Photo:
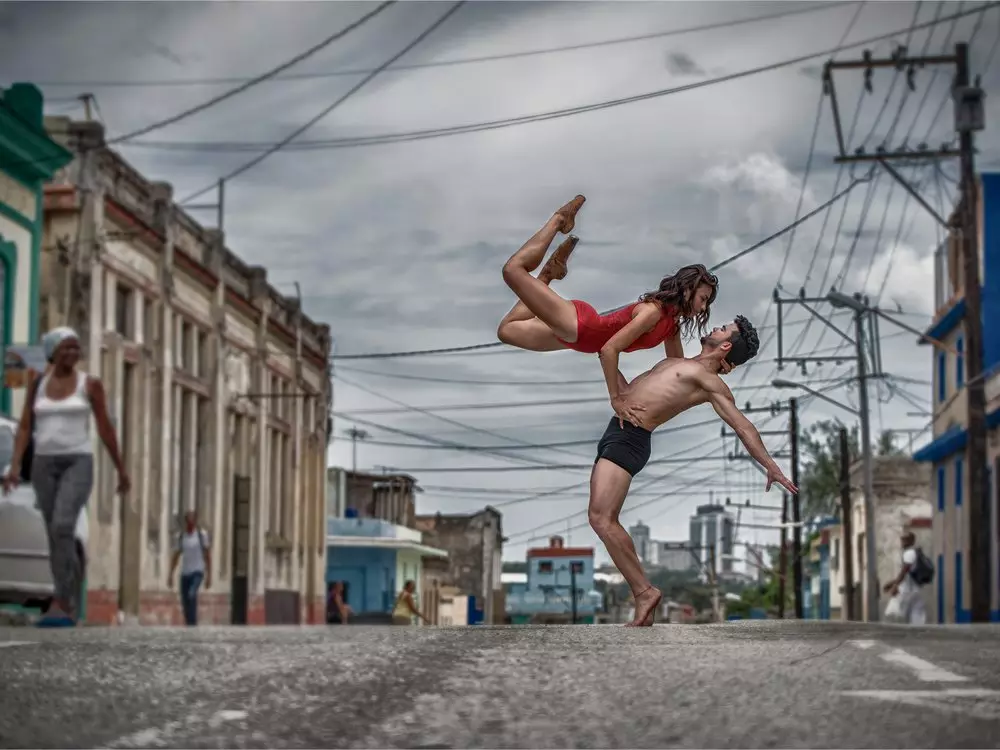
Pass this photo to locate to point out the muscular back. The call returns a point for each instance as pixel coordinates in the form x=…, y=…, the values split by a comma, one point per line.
x=671, y=387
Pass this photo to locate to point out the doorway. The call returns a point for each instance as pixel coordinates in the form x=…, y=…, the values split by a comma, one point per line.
x=240, y=585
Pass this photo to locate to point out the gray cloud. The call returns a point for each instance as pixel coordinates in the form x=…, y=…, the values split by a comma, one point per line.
x=399, y=247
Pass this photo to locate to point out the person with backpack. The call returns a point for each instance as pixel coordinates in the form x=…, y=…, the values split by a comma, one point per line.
x=54, y=451
x=194, y=553
x=917, y=571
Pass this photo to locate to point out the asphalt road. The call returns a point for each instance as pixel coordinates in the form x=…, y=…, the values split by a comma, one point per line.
x=755, y=684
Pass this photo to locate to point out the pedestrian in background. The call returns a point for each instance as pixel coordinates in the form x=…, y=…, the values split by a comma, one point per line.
x=405, y=608
x=194, y=552
x=54, y=448
x=337, y=610
x=907, y=603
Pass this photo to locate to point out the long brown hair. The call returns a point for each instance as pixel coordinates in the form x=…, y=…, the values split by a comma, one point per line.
x=674, y=292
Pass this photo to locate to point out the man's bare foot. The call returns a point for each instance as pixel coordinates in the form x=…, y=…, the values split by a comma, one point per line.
x=555, y=267
x=568, y=213
x=645, y=608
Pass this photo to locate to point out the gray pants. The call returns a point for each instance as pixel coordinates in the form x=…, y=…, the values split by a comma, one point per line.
x=62, y=485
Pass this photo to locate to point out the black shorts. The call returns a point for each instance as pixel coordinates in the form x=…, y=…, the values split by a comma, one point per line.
x=628, y=447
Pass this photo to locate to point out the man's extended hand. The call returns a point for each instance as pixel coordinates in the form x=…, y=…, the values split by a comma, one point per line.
x=776, y=475
x=626, y=410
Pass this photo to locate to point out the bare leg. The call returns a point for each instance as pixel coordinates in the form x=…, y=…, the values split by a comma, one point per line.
x=555, y=269
x=609, y=485
x=539, y=300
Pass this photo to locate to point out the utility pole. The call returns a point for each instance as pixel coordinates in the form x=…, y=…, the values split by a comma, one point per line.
x=968, y=100
x=714, y=581
x=871, y=550
x=846, y=525
x=356, y=434
x=572, y=589
x=862, y=311
x=793, y=428
x=783, y=556
x=969, y=118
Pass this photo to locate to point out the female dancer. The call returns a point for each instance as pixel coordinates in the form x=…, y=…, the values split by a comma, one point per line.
x=542, y=321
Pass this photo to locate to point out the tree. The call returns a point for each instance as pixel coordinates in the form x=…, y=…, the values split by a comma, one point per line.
x=820, y=472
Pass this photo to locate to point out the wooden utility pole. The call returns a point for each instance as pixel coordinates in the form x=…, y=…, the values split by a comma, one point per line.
x=783, y=556
x=793, y=429
x=968, y=118
x=846, y=525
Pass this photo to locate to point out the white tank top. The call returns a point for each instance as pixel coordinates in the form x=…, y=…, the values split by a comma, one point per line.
x=63, y=427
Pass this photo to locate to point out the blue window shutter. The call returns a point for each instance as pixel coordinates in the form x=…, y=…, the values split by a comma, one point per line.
x=958, y=482
x=942, y=376
x=941, y=479
x=960, y=362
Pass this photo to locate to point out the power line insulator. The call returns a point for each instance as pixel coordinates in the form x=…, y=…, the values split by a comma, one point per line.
x=867, y=57
x=911, y=75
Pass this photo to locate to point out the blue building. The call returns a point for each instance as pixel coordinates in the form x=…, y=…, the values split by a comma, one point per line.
x=374, y=558
x=371, y=547
x=556, y=576
x=816, y=578
x=946, y=452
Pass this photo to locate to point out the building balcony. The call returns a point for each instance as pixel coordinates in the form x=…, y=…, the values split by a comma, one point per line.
x=374, y=532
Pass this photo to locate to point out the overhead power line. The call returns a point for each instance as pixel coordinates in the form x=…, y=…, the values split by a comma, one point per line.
x=328, y=109
x=417, y=135
x=812, y=8
x=251, y=82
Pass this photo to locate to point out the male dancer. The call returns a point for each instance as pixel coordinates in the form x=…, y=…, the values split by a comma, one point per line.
x=655, y=397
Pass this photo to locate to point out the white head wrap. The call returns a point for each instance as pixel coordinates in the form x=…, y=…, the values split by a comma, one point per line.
x=52, y=340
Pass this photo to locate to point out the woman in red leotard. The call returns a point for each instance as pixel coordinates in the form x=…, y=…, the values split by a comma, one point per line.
x=542, y=321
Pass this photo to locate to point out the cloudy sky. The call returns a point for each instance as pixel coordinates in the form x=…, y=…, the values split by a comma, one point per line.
x=399, y=246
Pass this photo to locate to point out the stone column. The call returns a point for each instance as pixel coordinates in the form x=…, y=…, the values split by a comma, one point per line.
x=261, y=445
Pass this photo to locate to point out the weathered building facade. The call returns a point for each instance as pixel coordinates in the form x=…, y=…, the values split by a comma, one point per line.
x=219, y=388
x=474, y=543
x=946, y=453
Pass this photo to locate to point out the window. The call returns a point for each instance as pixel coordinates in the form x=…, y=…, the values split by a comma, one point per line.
x=148, y=322
x=958, y=482
x=577, y=567
x=960, y=362
x=942, y=376
x=941, y=479
x=123, y=311
x=204, y=367
x=545, y=566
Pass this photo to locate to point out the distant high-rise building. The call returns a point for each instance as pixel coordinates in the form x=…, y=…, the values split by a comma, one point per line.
x=672, y=556
x=712, y=526
x=640, y=538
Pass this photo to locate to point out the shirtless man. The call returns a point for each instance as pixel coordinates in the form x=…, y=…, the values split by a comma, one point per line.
x=653, y=398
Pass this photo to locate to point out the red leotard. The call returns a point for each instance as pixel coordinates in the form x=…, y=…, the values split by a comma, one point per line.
x=593, y=330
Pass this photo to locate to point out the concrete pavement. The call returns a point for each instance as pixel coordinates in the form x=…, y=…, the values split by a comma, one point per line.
x=753, y=684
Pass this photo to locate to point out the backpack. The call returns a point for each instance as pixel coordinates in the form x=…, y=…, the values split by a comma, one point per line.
x=923, y=570
x=201, y=540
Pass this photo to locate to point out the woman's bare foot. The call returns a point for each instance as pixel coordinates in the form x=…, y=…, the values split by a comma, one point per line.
x=645, y=608
x=555, y=267
x=568, y=213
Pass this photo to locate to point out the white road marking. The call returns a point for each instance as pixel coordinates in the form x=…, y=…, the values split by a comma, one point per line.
x=8, y=644
x=946, y=693
x=863, y=644
x=926, y=672
x=976, y=703
x=229, y=716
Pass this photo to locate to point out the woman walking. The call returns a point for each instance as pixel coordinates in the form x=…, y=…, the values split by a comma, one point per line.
x=53, y=438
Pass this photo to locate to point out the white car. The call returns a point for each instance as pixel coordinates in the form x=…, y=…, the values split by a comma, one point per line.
x=25, y=574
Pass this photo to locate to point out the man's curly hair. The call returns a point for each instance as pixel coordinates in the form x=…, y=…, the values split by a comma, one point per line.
x=745, y=342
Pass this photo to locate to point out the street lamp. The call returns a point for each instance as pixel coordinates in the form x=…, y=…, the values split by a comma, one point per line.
x=863, y=414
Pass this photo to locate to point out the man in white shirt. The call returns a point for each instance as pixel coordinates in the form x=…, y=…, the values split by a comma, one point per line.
x=905, y=588
x=194, y=553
